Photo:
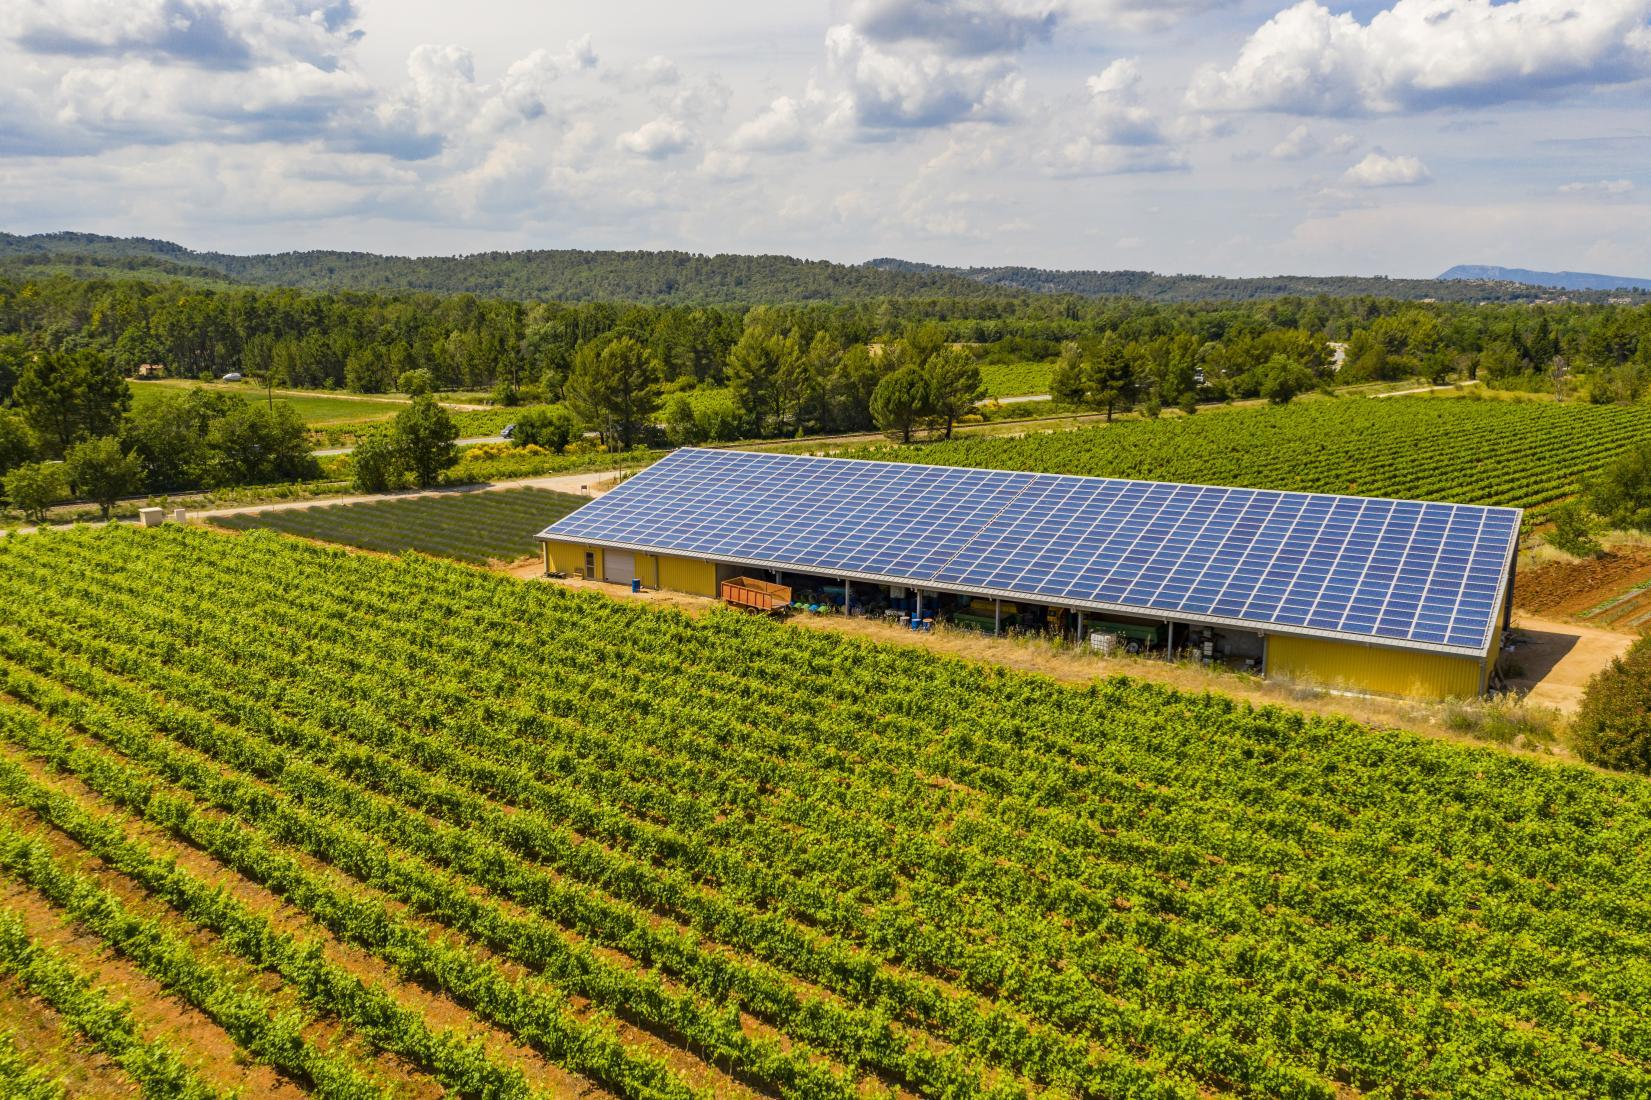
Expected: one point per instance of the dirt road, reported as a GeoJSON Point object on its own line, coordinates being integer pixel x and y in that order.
{"type": "Point", "coordinates": [1558, 659]}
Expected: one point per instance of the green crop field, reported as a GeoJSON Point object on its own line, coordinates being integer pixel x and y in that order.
{"type": "Point", "coordinates": [1526, 454]}
{"type": "Point", "coordinates": [317, 410]}
{"type": "Point", "coordinates": [1016, 379]}
{"type": "Point", "coordinates": [362, 824]}
{"type": "Point", "coordinates": [474, 527]}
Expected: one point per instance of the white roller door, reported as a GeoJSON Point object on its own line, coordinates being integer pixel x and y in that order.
{"type": "Point", "coordinates": [618, 566]}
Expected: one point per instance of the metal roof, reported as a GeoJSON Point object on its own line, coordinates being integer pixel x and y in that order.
{"type": "Point", "coordinates": [1414, 574]}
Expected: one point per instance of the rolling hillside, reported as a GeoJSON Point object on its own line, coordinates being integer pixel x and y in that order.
{"type": "Point", "coordinates": [566, 274]}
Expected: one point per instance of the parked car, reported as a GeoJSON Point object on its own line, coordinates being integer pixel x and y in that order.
{"type": "Point", "coordinates": [507, 431]}
{"type": "Point", "coordinates": [232, 376]}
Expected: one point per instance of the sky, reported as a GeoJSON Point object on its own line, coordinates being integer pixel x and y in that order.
{"type": "Point", "coordinates": [1234, 137]}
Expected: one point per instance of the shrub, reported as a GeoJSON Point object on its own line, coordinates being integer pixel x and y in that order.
{"type": "Point", "coordinates": [1613, 728]}
{"type": "Point", "coordinates": [415, 383]}
{"type": "Point", "coordinates": [378, 466]}
{"type": "Point", "coordinates": [35, 486]}
{"type": "Point", "coordinates": [552, 427]}
{"type": "Point", "coordinates": [1575, 532]}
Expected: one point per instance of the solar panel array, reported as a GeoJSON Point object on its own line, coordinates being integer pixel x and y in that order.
{"type": "Point", "coordinates": [1405, 571]}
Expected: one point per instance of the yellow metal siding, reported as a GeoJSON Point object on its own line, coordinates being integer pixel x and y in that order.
{"type": "Point", "coordinates": [1404, 672]}
{"type": "Point", "coordinates": [569, 558]}
{"type": "Point", "coordinates": [689, 575]}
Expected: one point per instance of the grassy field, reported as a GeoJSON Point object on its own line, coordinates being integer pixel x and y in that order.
{"type": "Point", "coordinates": [347, 824]}
{"type": "Point", "coordinates": [318, 410]}
{"type": "Point", "coordinates": [1519, 453]}
{"type": "Point", "coordinates": [473, 527]}
{"type": "Point", "coordinates": [1016, 379]}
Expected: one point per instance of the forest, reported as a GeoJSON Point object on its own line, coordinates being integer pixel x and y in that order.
{"type": "Point", "coordinates": [685, 278]}
{"type": "Point", "coordinates": [638, 374]}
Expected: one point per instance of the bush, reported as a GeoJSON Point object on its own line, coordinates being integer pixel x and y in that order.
{"type": "Point", "coordinates": [415, 383]}
{"type": "Point", "coordinates": [552, 427]}
{"type": "Point", "coordinates": [35, 486]}
{"type": "Point", "coordinates": [1575, 532]}
{"type": "Point", "coordinates": [378, 466]}
{"type": "Point", "coordinates": [1613, 728]}
{"type": "Point", "coordinates": [1622, 492]}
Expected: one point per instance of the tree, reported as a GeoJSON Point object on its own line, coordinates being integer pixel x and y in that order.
{"type": "Point", "coordinates": [1575, 532]}
{"type": "Point", "coordinates": [954, 385]}
{"type": "Point", "coordinates": [256, 445]}
{"type": "Point", "coordinates": [377, 463]}
{"type": "Point", "coordinates": [1283, 378]}
{"type": "Point", "coordinates": [416, 382]}
{"type": "Point", "coordinates": [552, 427]}
{"type": "Point", "coordinates": [900, 401]}
{"type": "Point", "coordinates": [424, 438]}
{"type": "Point", "coordinates": [168, 434]}
{"type": "Point", "coordinates": [1613, 726]}
{"type": "Point", "coordinates": [103, 473]}
{"type": "Point", "coordinates": [34, 487]}
{"type": "Point", "coordinates": [17, 441]}
{"type": "Point", "coordinates": [616, 390]}
{"type": "Point", "coordinates": [753, 370]}
{"type": "Point", "coordinates": [1622, 492]}
{"type": "Point", "coordinates": [70, 396]}
{"type": "Point", "coordinates": [849, 389]}
{"type": "Point", "coordinates": [1099, 378]}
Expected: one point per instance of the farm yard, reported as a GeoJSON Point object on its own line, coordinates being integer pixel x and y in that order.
{"type": "Point", "coordinates": [339, 823]}
{"type": "Point", "coordinates": [496, 525]}
{"type": "Point", "coordinates": [1524, 454]}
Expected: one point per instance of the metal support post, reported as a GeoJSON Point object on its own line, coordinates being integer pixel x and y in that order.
{"type": "Point", "coordinates": [997, 618]}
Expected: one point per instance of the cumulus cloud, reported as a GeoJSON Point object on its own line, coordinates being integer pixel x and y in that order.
{"type": "Point", "coordinates": [1423, 54]}
{"type": "Point", "coordinates": [1114, 133]}
{"type": "Point", "coordinates": [1380, 170]}
{"type": "Point", "coordinates": [211, 34]}
{"type": "Point", "coordinates": [663, 137]}
{"type": "Point", "coordinates": [1302, 143]}
{"type": "Point", "coordinates": [919, 87]}
{"type": "Point", "coordinates": [964, 28]}
{"type": "Point", "coordinates": [782, 127]}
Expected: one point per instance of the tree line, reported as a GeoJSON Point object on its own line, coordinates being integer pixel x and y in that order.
{"type": "Point", "coordinates": [639, 374]}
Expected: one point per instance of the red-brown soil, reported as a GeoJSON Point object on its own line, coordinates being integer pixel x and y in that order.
{"type": "Point", "coordinates": [1568, 588]}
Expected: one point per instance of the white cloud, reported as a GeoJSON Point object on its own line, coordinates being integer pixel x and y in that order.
{"type": "Point", "coordinates": [210, 34]}
{"type": "Point", "coordinates": [656, 140]}
{"type": "Point", "coordinates": [1302, 143]}
{"type": "Point", "coordinates": [1380, 170]}
{"type": "Point", "coordinates": [783, 127]}
{"type": "Point", "coordinates": [1143, 15]}
{"type": "Point", "coordinates": [1114, 133]}
{"type": "Point", "coordinates": [920, 87]}
{"type": "Point", "coordinates": [962, 28]}
{"type": "Point", "coordinates": [1600, 188]}
{"type": "Point", "coordinates": [1422, 54]}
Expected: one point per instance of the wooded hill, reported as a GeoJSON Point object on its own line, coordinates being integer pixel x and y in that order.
{"type": "Point", "coordinates": [692, 279]}
{"type": "Point", "coordinates": [1201, 288]}
{"type": "Point", "coordinates": [571, 275]}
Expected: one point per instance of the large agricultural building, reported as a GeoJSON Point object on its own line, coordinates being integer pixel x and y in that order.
{"type": "Point", "coordinates": [1396, 597]}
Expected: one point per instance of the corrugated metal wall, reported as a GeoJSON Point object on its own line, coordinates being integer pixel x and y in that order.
{"type": "Point", "coordinates": [1352, 667]}
{"type": "Point", "coordinates": [689, 575]}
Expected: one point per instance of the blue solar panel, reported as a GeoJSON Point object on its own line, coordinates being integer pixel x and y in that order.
{"type": "Point", "coordinates": [1428, 573]}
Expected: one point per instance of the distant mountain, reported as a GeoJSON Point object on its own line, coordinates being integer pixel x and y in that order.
{"type": "Point", "coordinates": [1559, 280]}
{"type": "Point", "coordinates": [1196, 288]}
{"type": "Point", "coordinates": [569, 275]}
